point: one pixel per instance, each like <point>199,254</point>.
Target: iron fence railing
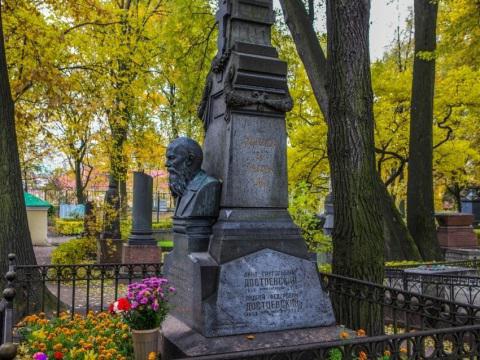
<point>78,288</point>
<point>463,289</point>
<point>401,310</point>
<point>448,343</point>
<point>7,348</point>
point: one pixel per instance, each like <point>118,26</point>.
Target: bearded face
<point>179,171</point>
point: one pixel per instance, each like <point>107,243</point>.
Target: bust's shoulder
<point>203,180</point>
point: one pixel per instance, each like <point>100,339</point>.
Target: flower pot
<point>146,342</point>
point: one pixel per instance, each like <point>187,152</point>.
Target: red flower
<point>124,304</point>
<point>58,355</point>
<point>110,309</point>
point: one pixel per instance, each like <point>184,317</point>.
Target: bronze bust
<point>196,193</point>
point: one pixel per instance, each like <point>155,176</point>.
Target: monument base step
<point>455,254</point>
<point>181,341</point>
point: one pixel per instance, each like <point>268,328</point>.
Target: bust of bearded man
<point>197,195</point>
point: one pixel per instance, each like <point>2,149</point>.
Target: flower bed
<point>95,336</point>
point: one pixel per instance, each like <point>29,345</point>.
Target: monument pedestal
<point>134,254</point>
<point>456,231</point>
<point>181,341</point>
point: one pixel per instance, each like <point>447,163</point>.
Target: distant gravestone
<point>142,246</point>
<point>242,268</point>
<point>471,205</point>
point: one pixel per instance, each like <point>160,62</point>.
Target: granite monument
<point>242,267</point>
<point>141,246</point>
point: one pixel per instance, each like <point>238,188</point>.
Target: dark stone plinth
<point>109,251</point>
<point>138,254</point>
<point>456,230</point>
<point>264,291</point>
<point>142,210</point>
<point>239,232</point>
<point>267,291</point>
<point>181,341</point>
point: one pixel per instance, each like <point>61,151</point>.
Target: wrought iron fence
<point>77,288</point>
<point>7,348</point>
<point>449,343</point>
<point>401,310</point>
<point>463,289</point>
<point>80,288</point>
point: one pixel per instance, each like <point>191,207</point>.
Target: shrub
<point>68,226</point>
<point>95,336</point>
<point>303,209</point>
<point>125,228</point>
<point>163,224</point>
<point>477,232</point>
<point>75,251</point>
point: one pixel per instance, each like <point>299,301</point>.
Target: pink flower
<point>40,356</point>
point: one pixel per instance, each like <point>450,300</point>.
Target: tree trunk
<point>14,234</point>
<point>420,203</point>
<point>308,48</point>
<point>358,242</point>
<point>79,183</point>
<point>118,165</point>
<point>399,245</point>
<point>313,58</point>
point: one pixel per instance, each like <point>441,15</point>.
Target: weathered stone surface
<point>267,291</point>
<point>139,254</point>
<point>456,231</point>
<point>181,341</point>
<point>142,210</point>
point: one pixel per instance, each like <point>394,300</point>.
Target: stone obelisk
<point>255,276</point>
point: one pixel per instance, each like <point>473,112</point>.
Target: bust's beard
<point>178,180</point>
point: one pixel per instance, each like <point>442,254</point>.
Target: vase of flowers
<point>144,309</point>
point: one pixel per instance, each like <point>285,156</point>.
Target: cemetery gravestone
<point>142,246</point>
<point>252,273</point>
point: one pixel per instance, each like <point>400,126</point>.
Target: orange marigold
<point>361,332</point>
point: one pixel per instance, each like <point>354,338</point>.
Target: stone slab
<point>181,341</point>
<point>137,254</point>
<point>440,270</point>
<point>267,291</point>
<point>454,254</point>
